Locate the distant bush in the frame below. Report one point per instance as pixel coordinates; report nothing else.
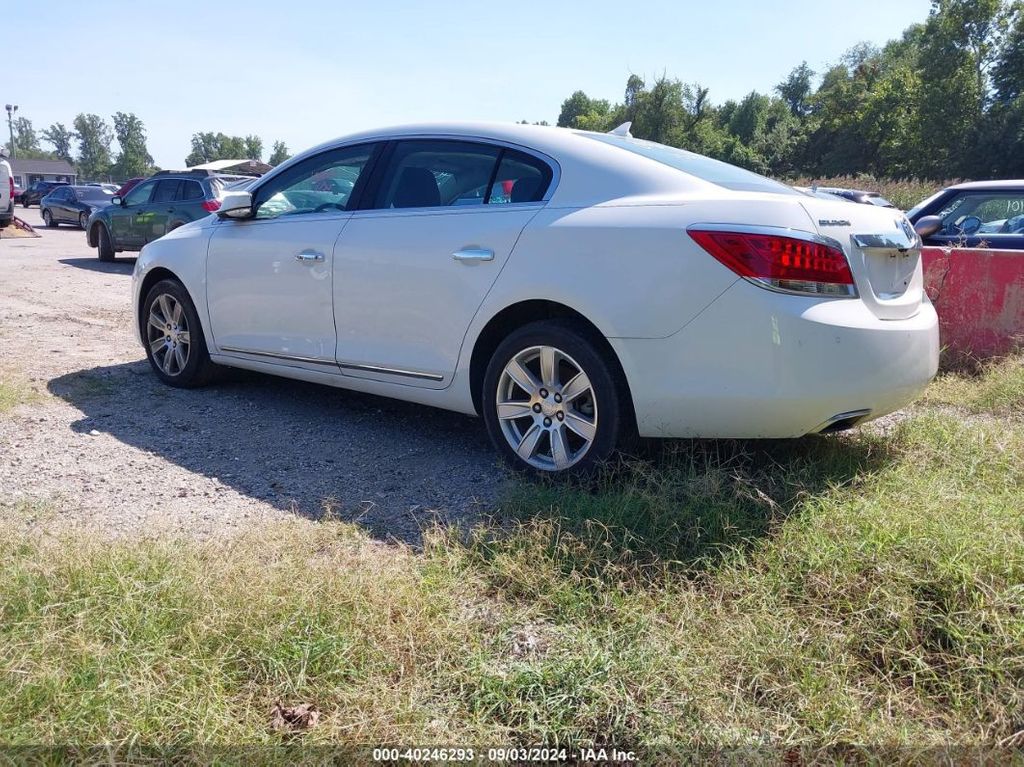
(904, 193)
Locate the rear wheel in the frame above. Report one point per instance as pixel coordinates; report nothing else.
(174, 340)
(104, 247)
(83, 221)
(48, 219)
(552, 401)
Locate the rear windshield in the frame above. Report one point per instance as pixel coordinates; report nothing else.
(714, 171)
(93, 193)
(881, 202)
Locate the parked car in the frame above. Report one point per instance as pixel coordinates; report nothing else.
(154, 207)
(6, 193)
(575, 289)
(972, 214)
(128, 185)
(73, 204)
(856, 195)
(37, 190)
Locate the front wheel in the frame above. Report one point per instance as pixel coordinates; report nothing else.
(553, 402)
(174, 340)
(104, 247)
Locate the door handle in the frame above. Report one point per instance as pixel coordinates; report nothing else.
(309, 255)
(472, 255)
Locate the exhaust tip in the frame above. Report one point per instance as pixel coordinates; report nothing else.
(842, 422)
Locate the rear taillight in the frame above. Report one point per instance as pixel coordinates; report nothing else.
(211, 206)
(780, 262)
(10, 180)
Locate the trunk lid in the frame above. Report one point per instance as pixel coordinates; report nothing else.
(883, 250)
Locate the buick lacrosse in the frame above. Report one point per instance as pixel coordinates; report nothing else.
(574, 289)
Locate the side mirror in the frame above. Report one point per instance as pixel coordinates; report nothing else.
(115, 200)
(235, 205)
(927, 226)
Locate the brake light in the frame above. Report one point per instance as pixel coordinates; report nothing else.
(10, 180)
(211, 206)
(778, 262)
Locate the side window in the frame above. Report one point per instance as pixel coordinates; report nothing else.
(323, 182)
(520, 178)
(190, 190)
(166, 190)
(983, 214)
(433, 173)
(139, 194)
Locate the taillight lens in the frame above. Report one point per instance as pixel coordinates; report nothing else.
(10, 180)
(211, 206)
(778, 262)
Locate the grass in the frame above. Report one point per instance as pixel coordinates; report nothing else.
(15, 392)
(847, 590)
(995, 387)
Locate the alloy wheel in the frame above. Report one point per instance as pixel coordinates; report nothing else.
(547, 408)
(168, 334)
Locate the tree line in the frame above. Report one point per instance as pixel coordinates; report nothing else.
(88, 146)
(945, 100)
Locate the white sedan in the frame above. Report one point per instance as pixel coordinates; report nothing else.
(575, 289)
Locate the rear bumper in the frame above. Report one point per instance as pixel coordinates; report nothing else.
(758, 364)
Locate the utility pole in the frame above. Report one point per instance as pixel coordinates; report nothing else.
(12, 109)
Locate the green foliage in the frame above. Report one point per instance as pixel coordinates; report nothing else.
(943, 100)
(134, 159)
(279, 155)
(61, 137)
(94, 139)
(207, 147)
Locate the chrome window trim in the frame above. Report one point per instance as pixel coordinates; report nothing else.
(783, 231)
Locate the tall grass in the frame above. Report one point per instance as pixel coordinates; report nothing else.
(842, 590)
(903, 193)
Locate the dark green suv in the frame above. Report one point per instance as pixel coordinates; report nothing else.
(154, 207)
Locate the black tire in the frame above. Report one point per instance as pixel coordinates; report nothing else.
(24, 203)
(83, 221)
(48, 219)
(615, 425)
(104, 248)
(198, 370)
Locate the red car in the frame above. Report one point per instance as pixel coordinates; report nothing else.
(127, 186)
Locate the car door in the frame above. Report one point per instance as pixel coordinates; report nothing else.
(123, 228)
(992, 218)
(411, 271)
(57, 202)
(269, 277)
(152, 217)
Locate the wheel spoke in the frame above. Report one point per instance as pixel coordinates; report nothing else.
(156, 322)
(579, 384)
(184, 338)
(176, 314)
(547, 366)
(559, 450)
(526, 380)
(179, 357)
(512, 410)
(528, 444)
(166, 363)
(157, 344)
(581, 426)
(165, 307)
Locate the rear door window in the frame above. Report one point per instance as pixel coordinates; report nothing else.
(437, 173)
(166, 190)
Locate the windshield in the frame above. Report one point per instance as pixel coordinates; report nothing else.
(713, 171)
(93, 193)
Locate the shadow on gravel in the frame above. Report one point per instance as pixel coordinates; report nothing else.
(312, 450)
(121, 266)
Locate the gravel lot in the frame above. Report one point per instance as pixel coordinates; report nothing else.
(109, 447)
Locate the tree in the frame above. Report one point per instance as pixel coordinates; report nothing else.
(134, 159)
(61, 137)
(253, 148)
(579, 110)
(207, 147)
(94, 138)
(796, 90)
(279, 155)
(1008, 67)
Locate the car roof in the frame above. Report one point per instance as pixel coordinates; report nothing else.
(1006, 184)
(844, 190)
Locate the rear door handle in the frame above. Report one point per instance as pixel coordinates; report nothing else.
(308, 256)
(472, 255)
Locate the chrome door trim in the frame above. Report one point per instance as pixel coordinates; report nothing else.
(272, 355)
(391, 371)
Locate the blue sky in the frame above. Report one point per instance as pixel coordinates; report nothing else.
(308, 71)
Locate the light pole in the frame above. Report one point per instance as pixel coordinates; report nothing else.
(12, 109)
